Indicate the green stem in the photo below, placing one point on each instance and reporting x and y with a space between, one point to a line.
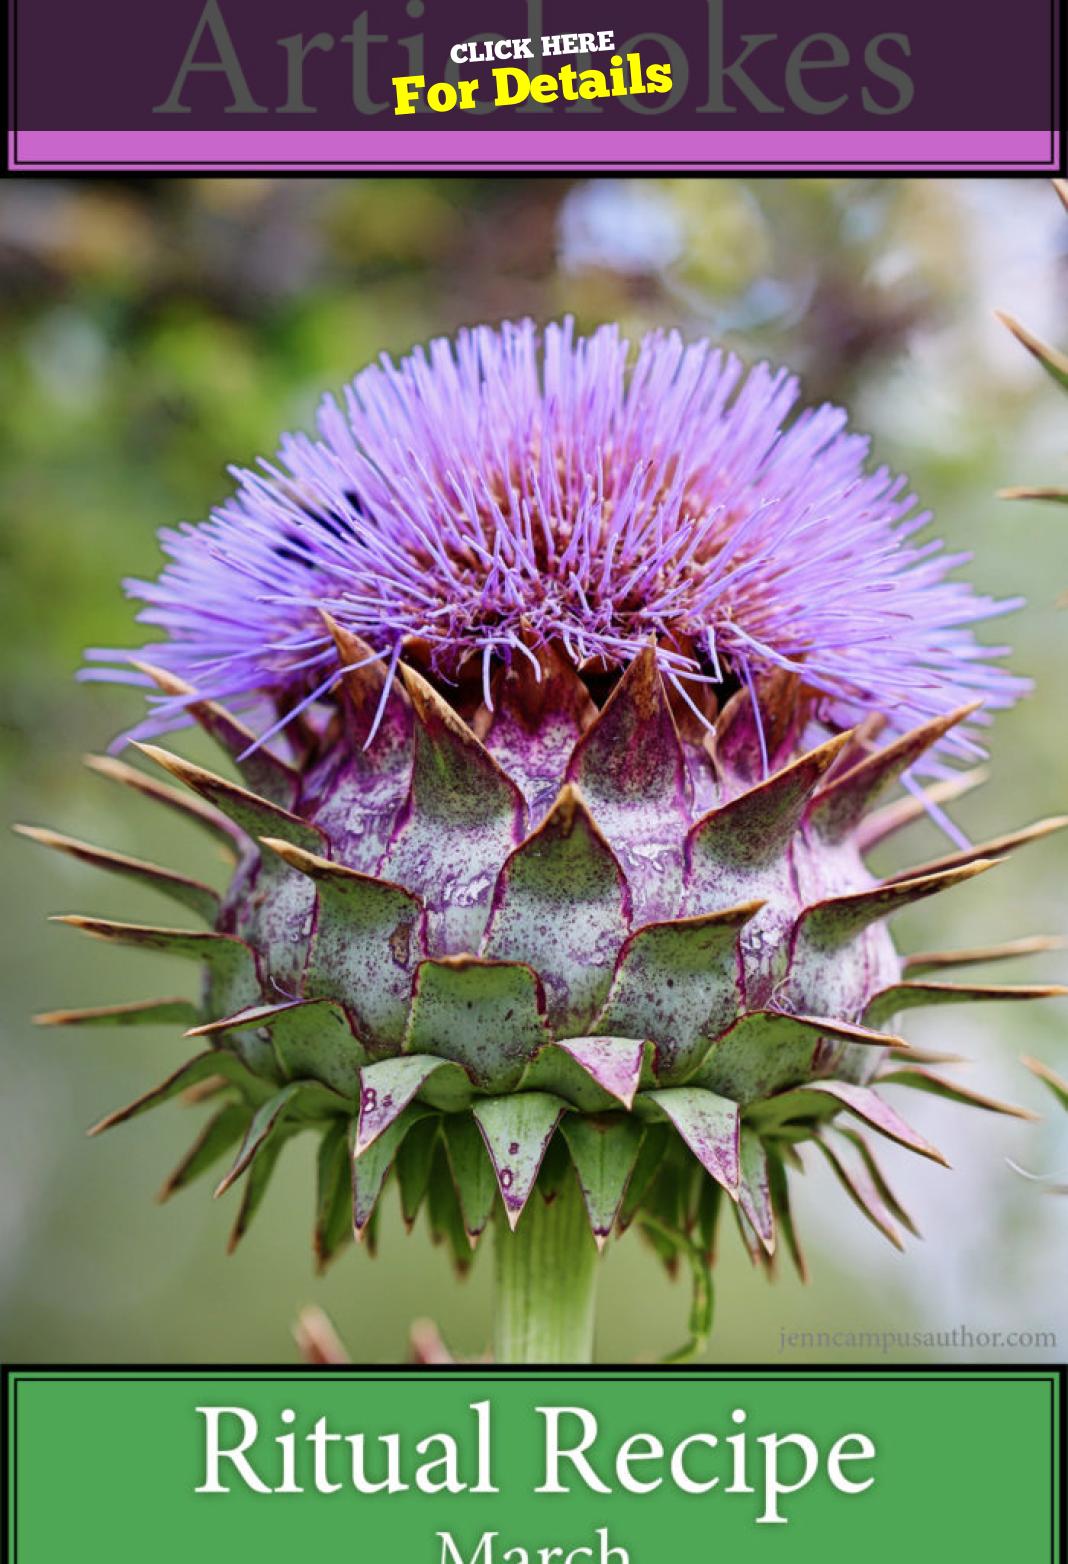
546 1282
703 1300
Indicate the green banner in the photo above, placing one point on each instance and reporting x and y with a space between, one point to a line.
476 1466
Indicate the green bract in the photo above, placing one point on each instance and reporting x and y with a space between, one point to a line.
509 946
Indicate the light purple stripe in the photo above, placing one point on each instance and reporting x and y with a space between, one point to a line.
1035 149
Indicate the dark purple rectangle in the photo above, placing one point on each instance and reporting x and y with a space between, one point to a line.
113 64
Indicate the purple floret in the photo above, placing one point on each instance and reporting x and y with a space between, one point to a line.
513 488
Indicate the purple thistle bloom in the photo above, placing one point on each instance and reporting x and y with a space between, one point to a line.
570 927
513 489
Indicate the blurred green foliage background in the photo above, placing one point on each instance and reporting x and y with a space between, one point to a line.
154 332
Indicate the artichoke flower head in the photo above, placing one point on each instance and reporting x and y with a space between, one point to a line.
562 685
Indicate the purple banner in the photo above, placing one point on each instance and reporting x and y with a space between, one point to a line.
412 83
